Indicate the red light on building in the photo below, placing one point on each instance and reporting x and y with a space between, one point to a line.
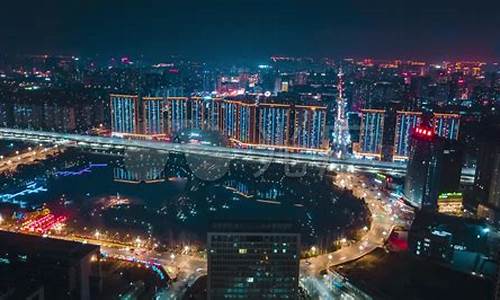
424 132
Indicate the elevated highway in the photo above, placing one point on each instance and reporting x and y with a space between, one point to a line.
218 152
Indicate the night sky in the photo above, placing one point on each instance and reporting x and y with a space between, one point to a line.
245 29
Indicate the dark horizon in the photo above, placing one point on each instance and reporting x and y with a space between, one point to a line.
253 30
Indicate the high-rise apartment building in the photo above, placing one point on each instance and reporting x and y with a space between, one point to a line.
230 119
177 115
124 115
309 127
212 113
371 133
247 123
446 125
406 122
274 124
153 118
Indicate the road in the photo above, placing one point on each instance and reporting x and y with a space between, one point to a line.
29 156
187 268
218 152
381 226
385 215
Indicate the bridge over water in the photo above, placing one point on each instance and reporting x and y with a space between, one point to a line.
257 155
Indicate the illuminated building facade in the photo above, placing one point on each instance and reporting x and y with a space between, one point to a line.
434 167
212 113
309 127
446 125
406 122
177 114
124 114
253 260
153 119
196 113
247 123
274 124
230 119
451 203
371 133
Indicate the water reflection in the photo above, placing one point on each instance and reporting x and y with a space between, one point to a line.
172 205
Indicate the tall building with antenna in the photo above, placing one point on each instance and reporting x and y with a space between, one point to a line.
341 137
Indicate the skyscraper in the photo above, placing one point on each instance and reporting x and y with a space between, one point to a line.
446 125
371 133
434 167
124 115
253 260
406 121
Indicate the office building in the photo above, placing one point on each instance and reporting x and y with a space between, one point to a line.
371 133
434 167
446 125
124 115
60 269
406 122
253 260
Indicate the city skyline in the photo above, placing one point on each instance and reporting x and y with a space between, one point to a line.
250 149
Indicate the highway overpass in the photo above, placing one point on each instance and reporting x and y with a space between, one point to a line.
258 155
